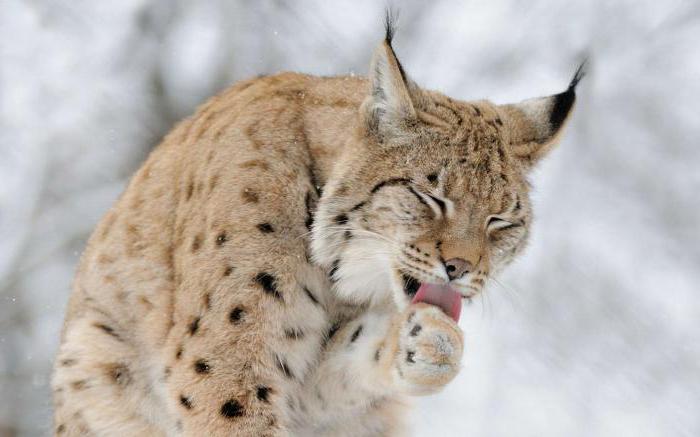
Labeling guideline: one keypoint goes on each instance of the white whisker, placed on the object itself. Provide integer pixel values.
(511, 292)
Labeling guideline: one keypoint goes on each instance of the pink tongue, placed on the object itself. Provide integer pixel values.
(440, 295)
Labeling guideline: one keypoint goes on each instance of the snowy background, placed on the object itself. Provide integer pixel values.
(594, 332)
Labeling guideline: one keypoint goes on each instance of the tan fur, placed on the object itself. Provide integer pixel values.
(197, 308)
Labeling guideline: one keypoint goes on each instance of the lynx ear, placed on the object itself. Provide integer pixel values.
(389, 103)
(535, 125)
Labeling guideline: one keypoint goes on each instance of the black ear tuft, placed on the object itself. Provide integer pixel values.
(390, 18)
(390, 100)
(564, 101)
(535, 125)
(580, 74)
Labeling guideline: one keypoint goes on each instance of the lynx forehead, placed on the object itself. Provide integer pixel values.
(291, 259)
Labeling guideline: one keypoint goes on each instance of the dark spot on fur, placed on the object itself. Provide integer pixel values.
(265, 228)
(479, 281)
(108, 330)
(294, 333)
(68, 362)
(186, 402)
(356, 334)
(263, 393)
(478, 112)
(255, 163)
(196, 243)
(332, 331)
(118, 373)
(249, 196)
(201, 366)
(284, 367)
(341, 219)
(498, 121)
(357, 207)
(310, 295)
(410, 285)
(60, 429)
(432, 177)
(409, 357)
(194, 326)
(415, 330)
(228, 270)
(377, 354)
(411, 316)
(79, 385)
(235, 315)
(334, 269)
(178, 353)
(342, 190)
(190, 190)
(269, 284)
(143, 300)
(221, 238)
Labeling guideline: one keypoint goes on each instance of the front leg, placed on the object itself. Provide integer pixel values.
(369, 363)
(417, 351)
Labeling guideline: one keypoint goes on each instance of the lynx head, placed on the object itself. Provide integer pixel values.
(431, 196)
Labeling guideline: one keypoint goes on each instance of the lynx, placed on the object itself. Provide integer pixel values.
(292, 259)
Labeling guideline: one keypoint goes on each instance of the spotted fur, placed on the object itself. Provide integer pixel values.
(255, 276)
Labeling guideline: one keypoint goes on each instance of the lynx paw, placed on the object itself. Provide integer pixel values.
(429, 349)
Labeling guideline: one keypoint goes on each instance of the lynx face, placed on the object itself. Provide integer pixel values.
(431, 196)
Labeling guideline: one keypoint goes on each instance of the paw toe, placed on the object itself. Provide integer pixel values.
(431, 349)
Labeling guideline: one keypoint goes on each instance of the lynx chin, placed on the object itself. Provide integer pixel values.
(292, 259)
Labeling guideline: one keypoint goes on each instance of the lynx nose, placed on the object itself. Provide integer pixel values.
(457, 267)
